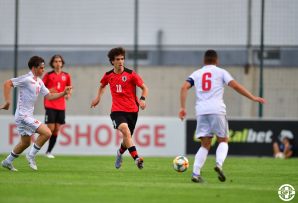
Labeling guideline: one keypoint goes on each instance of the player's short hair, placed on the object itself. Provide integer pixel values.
(210, 57)
(54, 57)
(116, 52)
(35, 61)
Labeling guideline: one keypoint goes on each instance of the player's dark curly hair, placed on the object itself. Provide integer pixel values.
(116, 52)
(210, 57)
(54, 57)
(35, 61)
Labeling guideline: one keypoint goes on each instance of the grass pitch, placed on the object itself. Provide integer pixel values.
(84, 179)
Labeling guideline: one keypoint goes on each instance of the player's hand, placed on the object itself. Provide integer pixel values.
(142, 104)
(5, 106)
(95, 102)
(67, 90)
(260, 100)
(67, 96)
(53, 90)
(182, 113)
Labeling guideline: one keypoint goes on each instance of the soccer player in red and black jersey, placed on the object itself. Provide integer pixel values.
(125, 103)
(55, 81)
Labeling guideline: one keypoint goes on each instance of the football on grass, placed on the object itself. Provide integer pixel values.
(180, 163)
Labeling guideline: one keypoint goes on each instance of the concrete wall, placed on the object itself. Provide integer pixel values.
(164, 85)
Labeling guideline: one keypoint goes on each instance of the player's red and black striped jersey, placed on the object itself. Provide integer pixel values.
(58, 82)
(123, 89)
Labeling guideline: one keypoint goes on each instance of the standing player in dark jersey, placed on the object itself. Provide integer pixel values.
(125, 104)
(55, 81)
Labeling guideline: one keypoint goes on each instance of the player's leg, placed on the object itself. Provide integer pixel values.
(202, 132)
(132, 120)
(220, 126)
(51, 117)
(127, 140)
(117, 119)
(52, 139)
(24, 143)
(221, 154)
(59, 120)
(44, 134)
(200, 158)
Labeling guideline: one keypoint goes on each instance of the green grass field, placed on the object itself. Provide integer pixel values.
(94, 179)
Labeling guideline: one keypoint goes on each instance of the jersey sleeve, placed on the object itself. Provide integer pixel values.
(104, 80)
(137, 79)
(68, 83)
(19, 81)
(191, 79)
(44, 90)
(227, 77)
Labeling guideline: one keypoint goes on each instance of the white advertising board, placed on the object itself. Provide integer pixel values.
(85, 135)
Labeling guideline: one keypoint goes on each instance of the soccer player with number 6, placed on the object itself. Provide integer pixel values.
(125, 104)
(209, 82)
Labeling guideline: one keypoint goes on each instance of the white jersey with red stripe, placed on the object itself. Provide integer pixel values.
(29, 89)
(209, 82)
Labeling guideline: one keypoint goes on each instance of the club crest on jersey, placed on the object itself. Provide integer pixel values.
(124, 78)
(63, 78)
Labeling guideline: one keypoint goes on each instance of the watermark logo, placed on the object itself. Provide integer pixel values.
(286, 192)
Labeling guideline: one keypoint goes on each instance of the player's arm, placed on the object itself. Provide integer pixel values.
(67, 97)
(53, 96)
(6, 93)
(183, 95)
(243, 91)
(144, 95)
(97, 99)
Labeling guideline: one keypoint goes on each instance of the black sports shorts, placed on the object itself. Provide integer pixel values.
(130, 118)
(55, 116)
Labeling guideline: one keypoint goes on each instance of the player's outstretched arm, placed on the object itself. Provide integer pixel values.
(183, 95)
(243, 91)
(53, 96)
(97, 99)
(144, 95)
(6, 94)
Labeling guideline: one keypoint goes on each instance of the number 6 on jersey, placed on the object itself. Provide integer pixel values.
(206, 82)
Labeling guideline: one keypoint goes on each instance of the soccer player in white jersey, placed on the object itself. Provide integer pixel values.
(209, 82)
(30, 86)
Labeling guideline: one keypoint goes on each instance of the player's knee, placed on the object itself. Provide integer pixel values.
(123, 127)
(26, 143)
(206, 143)
(47, 133)
(222, 139)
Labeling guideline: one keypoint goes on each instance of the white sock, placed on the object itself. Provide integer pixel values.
(200, 159)
(12, 156)
(34, 149)
(221, 153)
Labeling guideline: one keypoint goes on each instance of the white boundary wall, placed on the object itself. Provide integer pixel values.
(82, 135)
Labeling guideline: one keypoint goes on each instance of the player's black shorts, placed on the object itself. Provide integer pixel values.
(55, 116)
(130, 118)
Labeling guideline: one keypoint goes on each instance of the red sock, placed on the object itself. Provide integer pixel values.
(122, 149)
(133, 152)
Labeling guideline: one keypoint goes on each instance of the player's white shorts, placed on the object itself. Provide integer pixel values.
(212, 124)
(27, 125)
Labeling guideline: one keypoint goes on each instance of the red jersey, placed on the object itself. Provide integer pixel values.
(58, 82)
(123, 89)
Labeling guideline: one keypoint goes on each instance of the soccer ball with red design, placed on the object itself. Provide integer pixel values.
(180, 163)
